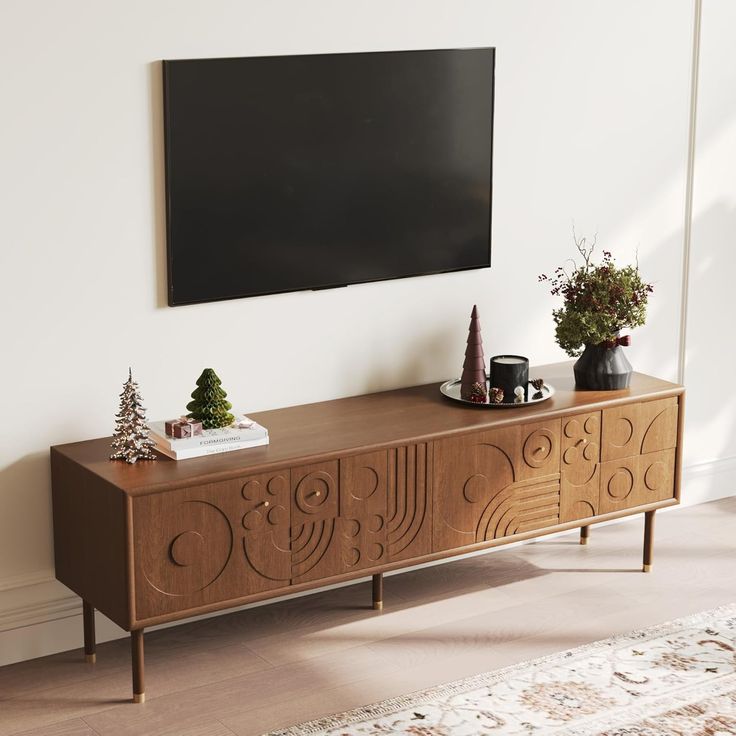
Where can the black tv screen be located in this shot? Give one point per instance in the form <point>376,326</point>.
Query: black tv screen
<point>308,172</point>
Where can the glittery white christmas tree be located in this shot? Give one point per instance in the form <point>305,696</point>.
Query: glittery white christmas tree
<point>130,439</point>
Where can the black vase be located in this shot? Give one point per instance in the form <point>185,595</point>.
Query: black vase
<point>600,368</point>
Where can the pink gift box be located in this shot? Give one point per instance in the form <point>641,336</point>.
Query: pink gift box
<point>182,427</point>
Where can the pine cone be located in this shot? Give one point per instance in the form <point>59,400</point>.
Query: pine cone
<point>478,393</point>
<point>495,395</point>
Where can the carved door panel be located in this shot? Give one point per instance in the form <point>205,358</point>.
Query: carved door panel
<point>634,429</point>
<point>637,454</point>
<point>266,527</point>
<point>339,516</point>
<point>363,506</point>
<point>314,493</point>
<point>495,484</point>
<point>579,468</point>
<point>210,543</point>
<point>634,481</point>
<point>315,506</point>
<point>539,450</point>
<point>409,518</point>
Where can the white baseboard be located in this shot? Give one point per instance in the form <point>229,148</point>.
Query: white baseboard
<point>39,616</point>
<point>26,579</point>
<point>709,481</point>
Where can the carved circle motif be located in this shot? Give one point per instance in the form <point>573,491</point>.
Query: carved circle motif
<point>590,452</point>
<point>313,491</point>
<point>622,432</point>
<point>366,484</point>
<point>620,484</point>
<point>655,475</point>
<point>352,528</point>
<point>572,428</point>
<point>187,548</point>
<point>591,425</point>
<point>475,488</point>
<point>251,490</point>
<point>375,551</point>
<point>582,508</point>
<point>352,557</point>
<point>570,455</point>
<point>276,485</point>
<point>538,448</point>
<point>375,523</point>
<point>252,520</point>
<point>277,515</point>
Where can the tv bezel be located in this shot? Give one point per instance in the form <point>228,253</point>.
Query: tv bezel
<point>168,198</point>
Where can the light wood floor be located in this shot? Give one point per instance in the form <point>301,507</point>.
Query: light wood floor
<point>268,667</point>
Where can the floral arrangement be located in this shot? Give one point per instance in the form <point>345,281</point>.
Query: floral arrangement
<point>598,300</point>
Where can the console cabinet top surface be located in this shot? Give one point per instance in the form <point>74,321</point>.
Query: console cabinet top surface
<point>357,424</point>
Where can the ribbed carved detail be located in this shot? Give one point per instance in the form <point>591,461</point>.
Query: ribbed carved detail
<point>408,516</point>
<point>496,484</point>
<point>530,505</point>
<point>309,543</point>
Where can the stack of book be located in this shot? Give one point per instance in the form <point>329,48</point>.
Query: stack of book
<point>210,442</point>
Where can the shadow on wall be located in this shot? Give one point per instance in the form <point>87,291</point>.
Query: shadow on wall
<point>25,500</point>
<point>711,405</point>
<point>156,91</point>
<point>383,371</point>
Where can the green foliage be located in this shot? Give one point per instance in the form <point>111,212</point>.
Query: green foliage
<point>598,300</point>
<point>210,405</point>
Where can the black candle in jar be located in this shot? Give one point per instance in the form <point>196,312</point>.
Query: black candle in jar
<point>508,372</point>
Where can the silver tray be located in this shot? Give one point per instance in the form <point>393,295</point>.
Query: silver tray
<point>451,389</point>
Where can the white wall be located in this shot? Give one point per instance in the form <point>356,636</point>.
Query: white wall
<point>711,314</point>
<point>592,104</point>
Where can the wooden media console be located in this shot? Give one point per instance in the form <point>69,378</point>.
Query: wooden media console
<point>351,488</point>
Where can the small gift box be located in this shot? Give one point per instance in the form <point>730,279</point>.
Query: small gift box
<point>183,427</point>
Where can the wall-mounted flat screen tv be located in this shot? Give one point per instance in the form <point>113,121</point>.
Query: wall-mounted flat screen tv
<point>308,172</point>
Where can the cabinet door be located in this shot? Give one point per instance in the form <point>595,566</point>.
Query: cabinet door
<point>638,454</point>
<point>339,516</point>
<point>636,429</point>
<point>409,517</point>
<point>314,512</point>
<point>496,484</point>
<point>210,543</point>
<point>579,467</point>
<point>635,481</point>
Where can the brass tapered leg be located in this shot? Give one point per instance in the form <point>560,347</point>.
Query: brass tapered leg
<point>584,533</point>
<point>378,591</point>
<point>88,621</point>
<point>648,540</point>
<point>136,650</point>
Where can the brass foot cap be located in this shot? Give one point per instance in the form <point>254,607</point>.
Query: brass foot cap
<point>377,605</point>
<point>139,697</point>
<point>583,540</point>
<point>647,568</point>
<point>90,658</point>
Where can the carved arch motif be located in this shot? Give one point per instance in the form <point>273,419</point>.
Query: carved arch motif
<point>496,484</point>
<point>408,518</point>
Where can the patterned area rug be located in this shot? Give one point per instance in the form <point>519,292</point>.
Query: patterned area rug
<point>676,678</point>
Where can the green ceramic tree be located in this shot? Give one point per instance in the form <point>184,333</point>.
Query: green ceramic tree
<point>210,405</point>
